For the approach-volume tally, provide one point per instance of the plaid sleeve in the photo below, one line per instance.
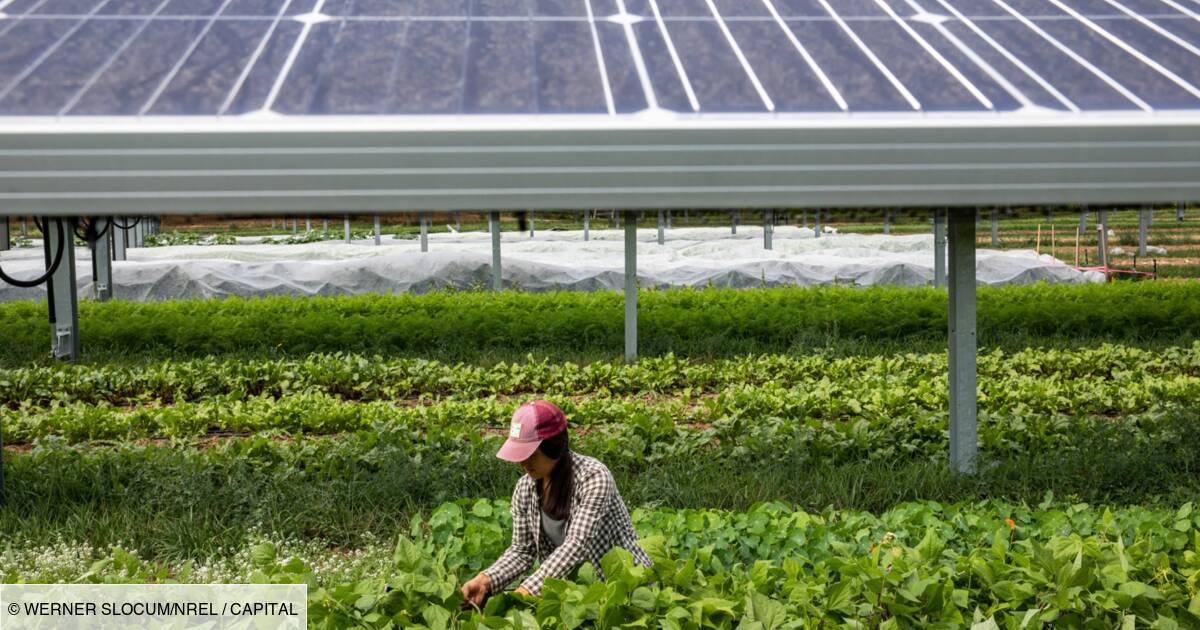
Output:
(520, 554)
(595, 495)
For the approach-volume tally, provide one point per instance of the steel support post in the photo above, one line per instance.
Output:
(378, 230)
(1178, 214)
(61, 288)
(768, 229)
(662, 227)
(120, 239)
(963, 427)
(668, 219)
(531, 232)
(995, 227)
(1144, 218)
(497, 276)
(25, 223)
(457, 221)
(325, 225)
(587, 225)
(424, 232)
(817, 224)
(805, 215)
(939, 248)
(631, 297)
(102, 268)
(733, 222)
(295, 225)
(5, 240)
(887, 221)
(307, 224)
(346, 226)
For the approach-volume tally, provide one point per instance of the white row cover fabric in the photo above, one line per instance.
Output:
(554, 260)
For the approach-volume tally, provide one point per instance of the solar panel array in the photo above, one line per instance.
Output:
(551, 57)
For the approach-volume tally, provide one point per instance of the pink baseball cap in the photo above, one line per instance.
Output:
(532, 422)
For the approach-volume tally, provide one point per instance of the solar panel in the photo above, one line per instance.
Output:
(594, 57)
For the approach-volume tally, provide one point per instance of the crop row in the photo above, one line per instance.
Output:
(917, 565)
(703, 322)
(1078, 375)
(1016, 415)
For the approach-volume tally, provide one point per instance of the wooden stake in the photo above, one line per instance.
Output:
(1053, 246)
(1038, 246)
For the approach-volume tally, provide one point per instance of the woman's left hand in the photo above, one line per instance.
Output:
(523, 591)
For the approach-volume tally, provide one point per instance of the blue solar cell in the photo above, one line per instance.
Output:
(499, 74)
(684, 9)
(719, 80)
(501, 8)
(133, 7)
(253, 93)
(1001, 98)
(567, 71)
(22, 7)
(25, 42)
(1025, 83)
(1155, 45)
(792, 84)
(404, 8)
(192, 7)
(70, 7)
(128, 83)
(206, 77)
(1078, 84)
(428, 75)
(67, 70)
(627, 91)
(1185, 29)
(664, 75)
(733, 9)
(930, 82)
(801, 9)
(978, 8)
(861, 82)
(308, 79)
(1150, 85)
(266, 7)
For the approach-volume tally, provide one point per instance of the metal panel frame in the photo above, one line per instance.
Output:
(239, 166)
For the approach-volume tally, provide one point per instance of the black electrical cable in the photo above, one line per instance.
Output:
(126, 227)
(51, 266)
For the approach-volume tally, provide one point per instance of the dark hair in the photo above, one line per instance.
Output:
(558, 504)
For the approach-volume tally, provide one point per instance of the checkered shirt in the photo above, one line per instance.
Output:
(598, 521)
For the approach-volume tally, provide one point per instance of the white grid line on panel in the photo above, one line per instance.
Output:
(639, 62)
(741, 57)
(1053, 41)
(967, 51)
(13, 23)
(1013, 59)
(254, 57)
(962, 79)
(1182, 9)
(53, 48)
(99, 72)
(812, 63)
(291, 59)
(1139, 55)
(1152, 25)
(679, 69)
(912, 100)
(608, 95)
(162, 85)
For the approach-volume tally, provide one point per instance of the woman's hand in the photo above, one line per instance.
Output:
(523, 591)
(476, 590)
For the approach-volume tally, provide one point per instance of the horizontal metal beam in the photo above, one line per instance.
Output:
(242, 170)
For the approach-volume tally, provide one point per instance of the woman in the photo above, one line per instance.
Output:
(565, 509)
